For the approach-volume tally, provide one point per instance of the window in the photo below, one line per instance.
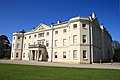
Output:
(23, 55)
(14, 38)
(84, 54)
(47, 56)
(56, 42)
(74, 38)
(47, 34)
(17, 45)
(74, 54)
(29, 37)
(13, 46)
(56, 32)
(64, 55)
(42, 42)
(25, 37)
(41, 35)
(18, 37)
(84, 25)
(64, 30)
(12, 54)
(17, 54)
(64, 42)
(47, 43)
(55, 54)
(24, 45)
(35, 36)
(74, 25)
(84, 39)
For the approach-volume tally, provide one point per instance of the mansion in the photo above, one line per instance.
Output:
(79, 40)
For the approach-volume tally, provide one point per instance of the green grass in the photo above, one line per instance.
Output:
(27, 72)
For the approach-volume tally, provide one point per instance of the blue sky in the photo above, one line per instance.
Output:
(26, 14)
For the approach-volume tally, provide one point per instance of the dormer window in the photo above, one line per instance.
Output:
(56, 32)
(74, 25)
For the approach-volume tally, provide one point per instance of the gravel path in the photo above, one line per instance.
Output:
(95, 65)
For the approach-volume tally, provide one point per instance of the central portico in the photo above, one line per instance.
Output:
(38, 52)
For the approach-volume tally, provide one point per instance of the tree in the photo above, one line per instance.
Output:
(5, 48)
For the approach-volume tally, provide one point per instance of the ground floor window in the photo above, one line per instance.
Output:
(84, 54)
(23, 55)
(17, 54)
(56, 56)
(74, 54)
(64, 55)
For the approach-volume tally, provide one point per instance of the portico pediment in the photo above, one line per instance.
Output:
(42, 27)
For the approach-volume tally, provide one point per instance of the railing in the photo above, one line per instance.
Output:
(37, 46)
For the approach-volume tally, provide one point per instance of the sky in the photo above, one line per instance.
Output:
(16, 15)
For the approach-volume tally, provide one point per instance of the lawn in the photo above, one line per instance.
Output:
(28, 72)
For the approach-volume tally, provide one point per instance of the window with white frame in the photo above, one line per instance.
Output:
(84, 39)
(64, 55)
(74, 54)
(13, 46)
(64, 42)
(17, 45)
(17, 55)
(84, 54)
(74, 26)
(23, 55)
(29, 37)
(24, 46)
(18, 37)
(47, 43)
(56, 42)
(84, 26)
(56, 32)
(47, 33)
(55, 55)
(64, 30)
(35, 36)
(40, 35)
(74, 38)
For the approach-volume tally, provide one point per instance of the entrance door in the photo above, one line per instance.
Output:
(33, 52)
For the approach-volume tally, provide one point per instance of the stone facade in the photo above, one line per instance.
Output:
(79, 40)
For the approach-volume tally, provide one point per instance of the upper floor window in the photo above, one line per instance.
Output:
(84, 39)
(56, 42)
(64, 30)
(74, 25)
(64, 42)
(56, 32)
(35, 36)
(24, 45)
(47, 33)
(74, 38)
(14, 38)
(25, 37)
(41, 35)
(13, 46)
(84, 54)
(17, 45)
(29, 37)
(18, 37)
(47, 43)
(23, 55)
(84, 26)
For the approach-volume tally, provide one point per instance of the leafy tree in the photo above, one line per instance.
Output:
(116, 56)
(5, 48)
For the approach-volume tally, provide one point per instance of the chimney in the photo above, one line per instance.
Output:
(93, 15)
(58, 22)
